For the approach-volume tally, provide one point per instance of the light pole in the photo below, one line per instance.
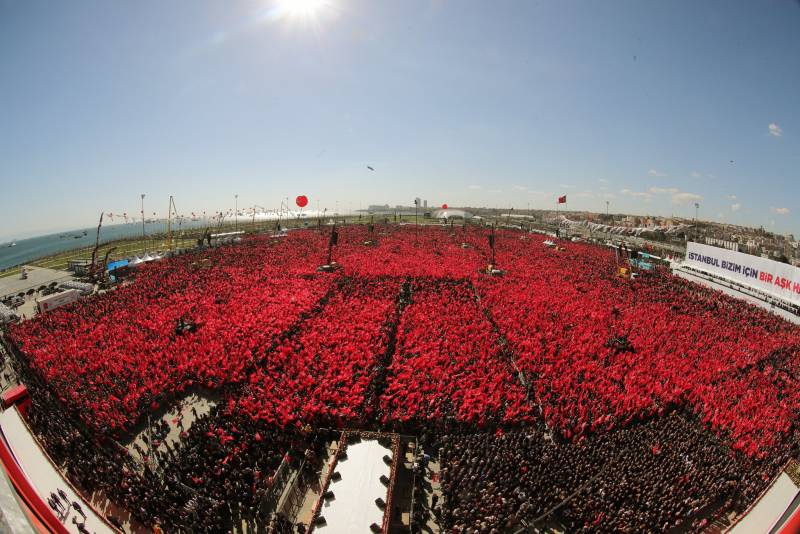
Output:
(142, 215)
(236, 212)
(606, 208)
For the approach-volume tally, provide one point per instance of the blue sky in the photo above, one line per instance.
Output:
(651, 105)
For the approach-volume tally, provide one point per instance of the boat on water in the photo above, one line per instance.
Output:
(12, 244)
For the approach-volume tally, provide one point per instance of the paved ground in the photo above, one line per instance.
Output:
(179, 419)
(37, 276)
(315, 489)
(432, 488)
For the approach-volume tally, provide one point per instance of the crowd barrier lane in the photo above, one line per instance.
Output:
(31, 499)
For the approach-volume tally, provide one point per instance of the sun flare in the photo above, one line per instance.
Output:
(302, 8)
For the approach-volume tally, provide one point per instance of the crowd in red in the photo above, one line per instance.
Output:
(411, 334)
(118, 355)
(605, 351)
(599, 350)
(448, 363)
(323, 373)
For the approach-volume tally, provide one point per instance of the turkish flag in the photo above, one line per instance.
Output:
(562, 199)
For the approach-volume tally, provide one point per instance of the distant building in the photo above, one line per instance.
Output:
(722, 243)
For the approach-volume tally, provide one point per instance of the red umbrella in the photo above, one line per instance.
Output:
(444, 206)
(301, 201)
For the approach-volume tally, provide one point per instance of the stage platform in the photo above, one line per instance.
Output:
(353, 507)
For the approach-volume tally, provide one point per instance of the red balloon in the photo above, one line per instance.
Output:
(444, 206)
(302, 201)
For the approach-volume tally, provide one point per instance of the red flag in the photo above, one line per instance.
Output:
(562, 199)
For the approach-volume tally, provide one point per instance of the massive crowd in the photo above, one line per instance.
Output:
(218, 476)
(448, 363)
(605, 352)
(557, 377)
(665, 474)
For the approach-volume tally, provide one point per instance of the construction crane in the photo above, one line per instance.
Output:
(170, 210)
(92, 265)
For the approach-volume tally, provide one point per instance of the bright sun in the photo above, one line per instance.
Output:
(302, 8)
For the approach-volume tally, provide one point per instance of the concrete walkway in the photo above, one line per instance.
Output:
(432, 487)
(179, 418)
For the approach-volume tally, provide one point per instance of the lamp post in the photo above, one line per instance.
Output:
(236, 212)
(142, 215)
(697, 219)
(416, 223)
(607, 208)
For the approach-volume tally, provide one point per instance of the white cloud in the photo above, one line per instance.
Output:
(685, 198)
(731, 197)
(603, 181)
(474, 187)
(565, 186)
(585, 194)
(519, 188)
(661, 190)
(495, 190)
(736, 207)
(780, 211)
(775, 130)
(647, 197)
(678, 196)
(653, 172)
(696, 174)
